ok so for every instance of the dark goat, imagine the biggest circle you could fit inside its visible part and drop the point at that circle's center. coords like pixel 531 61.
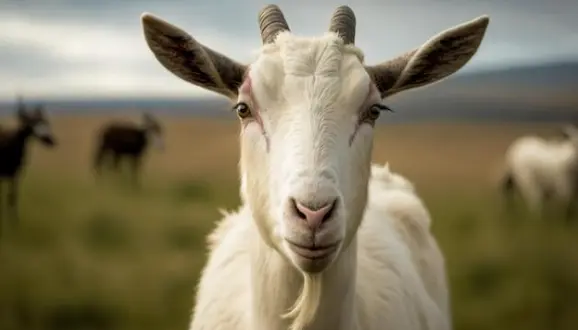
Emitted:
pixel 13 147
pixel 127 140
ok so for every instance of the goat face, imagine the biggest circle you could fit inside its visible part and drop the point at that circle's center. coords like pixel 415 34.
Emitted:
pixel 307 108
pixel 154 131
pixel 38 124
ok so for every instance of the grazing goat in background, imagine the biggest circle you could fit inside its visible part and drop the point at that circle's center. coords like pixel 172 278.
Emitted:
pixel 309 249
pixel 13 143
pixel 541 169
pixel 118 140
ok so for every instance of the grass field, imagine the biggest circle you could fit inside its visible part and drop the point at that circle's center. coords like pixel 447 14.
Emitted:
pixel 102 256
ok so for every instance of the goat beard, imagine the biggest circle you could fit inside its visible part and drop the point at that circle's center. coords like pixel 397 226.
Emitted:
pixel 305 308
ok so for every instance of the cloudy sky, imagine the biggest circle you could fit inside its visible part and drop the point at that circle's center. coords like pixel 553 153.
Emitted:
pixel 76 48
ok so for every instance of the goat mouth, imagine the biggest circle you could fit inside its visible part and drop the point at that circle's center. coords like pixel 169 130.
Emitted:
pixel 312 252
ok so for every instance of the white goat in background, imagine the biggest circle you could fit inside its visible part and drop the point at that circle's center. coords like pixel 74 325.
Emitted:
pixel 541 169
pixel 308 249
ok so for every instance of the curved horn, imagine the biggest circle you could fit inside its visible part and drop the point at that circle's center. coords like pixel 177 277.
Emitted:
pixel 271 22
pixel 343 23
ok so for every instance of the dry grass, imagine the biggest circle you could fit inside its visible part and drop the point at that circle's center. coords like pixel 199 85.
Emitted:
pixel 101 256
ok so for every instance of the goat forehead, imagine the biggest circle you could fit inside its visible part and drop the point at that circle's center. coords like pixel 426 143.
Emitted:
pixel 310 56
pixel 309 70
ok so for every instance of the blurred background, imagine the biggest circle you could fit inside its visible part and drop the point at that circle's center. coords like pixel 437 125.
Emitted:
pixel 99 254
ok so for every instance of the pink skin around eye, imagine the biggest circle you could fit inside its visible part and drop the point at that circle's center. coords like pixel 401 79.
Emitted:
pixel 370 96
pixel 247 90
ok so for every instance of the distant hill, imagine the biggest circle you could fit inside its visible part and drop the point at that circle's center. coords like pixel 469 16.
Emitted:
pixel 190 107
pixel 553 74
pixel 547 92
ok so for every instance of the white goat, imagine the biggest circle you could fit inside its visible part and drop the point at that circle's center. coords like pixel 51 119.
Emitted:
pixel 540 169
pixel 394 196
pixel 307 238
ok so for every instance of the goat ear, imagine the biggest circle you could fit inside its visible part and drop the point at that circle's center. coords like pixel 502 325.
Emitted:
pixel 438 58
pixel 191 61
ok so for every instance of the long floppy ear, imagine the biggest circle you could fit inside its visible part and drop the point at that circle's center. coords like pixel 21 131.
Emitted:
pixel 188 59
pixel 441 56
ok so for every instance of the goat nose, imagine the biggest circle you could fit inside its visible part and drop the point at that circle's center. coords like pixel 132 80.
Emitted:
pixel 313 216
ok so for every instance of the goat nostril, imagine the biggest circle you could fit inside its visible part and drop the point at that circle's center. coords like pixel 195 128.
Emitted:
pixel 330 211
pixel 296 209
pixel 314 216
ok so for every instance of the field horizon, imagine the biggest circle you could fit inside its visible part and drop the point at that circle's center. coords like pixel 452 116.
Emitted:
pixel 541 92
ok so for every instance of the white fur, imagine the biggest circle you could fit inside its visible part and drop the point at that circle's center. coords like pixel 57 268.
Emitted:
pixel 307 136
pixel 397 282
pixel 389 180
pixel 309 93
pixel 539 167
pixel 388 274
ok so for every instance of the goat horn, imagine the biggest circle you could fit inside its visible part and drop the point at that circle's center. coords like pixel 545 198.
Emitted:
pixel 343 23
pixel 271 22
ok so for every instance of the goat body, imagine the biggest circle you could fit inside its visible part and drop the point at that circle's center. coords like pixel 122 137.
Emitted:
pixel 13 150
pixel 123 139
pixel 127 140
pixel 396 281
pixel 12 158
pixel 308 250
pixel 13 144
pixel 541 169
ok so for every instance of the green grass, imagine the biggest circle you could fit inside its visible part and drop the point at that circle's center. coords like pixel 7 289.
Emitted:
pixel 507 270
pixel 99 256
pixel 102 257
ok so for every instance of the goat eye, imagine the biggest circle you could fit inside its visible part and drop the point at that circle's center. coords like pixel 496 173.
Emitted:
pixel 374 112
pixel 242 110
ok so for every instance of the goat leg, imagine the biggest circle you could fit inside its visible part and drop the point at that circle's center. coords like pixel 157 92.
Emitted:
pixel 571 209
pixel 13 199
pixel 136 165
pixel 1 208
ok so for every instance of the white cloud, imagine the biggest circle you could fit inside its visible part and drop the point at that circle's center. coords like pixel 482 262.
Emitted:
pixel 72 42
pixel 100 61
pixel 93 54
